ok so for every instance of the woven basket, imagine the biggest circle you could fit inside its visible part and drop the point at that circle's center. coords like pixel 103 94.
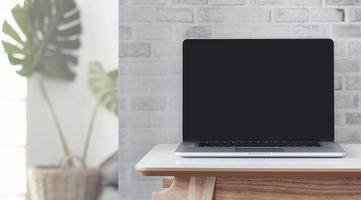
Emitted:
pixel 63 183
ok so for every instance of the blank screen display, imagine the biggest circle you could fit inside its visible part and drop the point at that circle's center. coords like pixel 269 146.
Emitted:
pixel 279 89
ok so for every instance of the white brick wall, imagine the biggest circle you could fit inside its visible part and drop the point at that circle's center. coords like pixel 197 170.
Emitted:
pixel 175 15
pixel 291 15
pixel 253 15
pixel 151 32
pixel 216 14
pixel 327 15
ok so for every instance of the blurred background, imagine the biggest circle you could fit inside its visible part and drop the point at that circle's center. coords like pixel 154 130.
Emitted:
pixel 28 136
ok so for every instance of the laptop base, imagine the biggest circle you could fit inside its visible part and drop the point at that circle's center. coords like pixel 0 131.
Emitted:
pixel 326 149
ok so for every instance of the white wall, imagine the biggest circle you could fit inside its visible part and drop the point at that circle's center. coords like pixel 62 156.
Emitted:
pixel 73 100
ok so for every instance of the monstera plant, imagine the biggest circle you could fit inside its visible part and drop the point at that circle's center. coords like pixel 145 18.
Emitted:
pixel 44 41
pixel 49 33
pixel 104 86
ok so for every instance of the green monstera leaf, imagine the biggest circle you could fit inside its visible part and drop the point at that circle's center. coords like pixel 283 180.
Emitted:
pixel 51 29
pixel 104 86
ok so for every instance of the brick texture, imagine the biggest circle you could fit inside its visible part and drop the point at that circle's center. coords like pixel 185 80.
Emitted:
pixel 190 2
pixel 346 101
pixel 227 2
pixel 252 15
pixel 135 49
pixel 353 83
pixel 338 83
pixel 136 14
pixel 195 32
pixel 347 65
pixel 343 2
pixel 355 15
pixel 268 2
pixel 354 48
pixel 148 2
pixel 347 31
pixel 291 15
pixel 327 15
pixel 311 31
pixel 340 48
pixel 216 14
pixel 175 15
pixel 305 2
pixel 151 33
pixel 353 118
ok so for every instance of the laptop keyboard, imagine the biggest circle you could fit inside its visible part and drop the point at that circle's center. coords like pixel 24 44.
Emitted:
pixel 259 144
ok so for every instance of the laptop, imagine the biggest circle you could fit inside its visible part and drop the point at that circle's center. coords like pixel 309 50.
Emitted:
pixel 258 98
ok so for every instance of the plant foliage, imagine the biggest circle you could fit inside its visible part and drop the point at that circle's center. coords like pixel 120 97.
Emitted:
pixel 104 86
pixel 51 29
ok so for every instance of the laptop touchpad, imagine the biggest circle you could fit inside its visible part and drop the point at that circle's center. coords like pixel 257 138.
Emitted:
pixel 259 149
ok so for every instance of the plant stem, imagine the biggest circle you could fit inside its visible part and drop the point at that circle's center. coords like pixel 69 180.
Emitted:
pixel 54 117
pixel 90 131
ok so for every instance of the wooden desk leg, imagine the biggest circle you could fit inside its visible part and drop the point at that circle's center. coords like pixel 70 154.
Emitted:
pixel 201 188
pixel 188 188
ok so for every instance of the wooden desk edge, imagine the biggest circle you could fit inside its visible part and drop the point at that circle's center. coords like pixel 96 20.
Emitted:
pixel 247 172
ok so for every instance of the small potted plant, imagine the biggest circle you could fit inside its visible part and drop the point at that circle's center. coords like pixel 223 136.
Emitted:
pixel 49 34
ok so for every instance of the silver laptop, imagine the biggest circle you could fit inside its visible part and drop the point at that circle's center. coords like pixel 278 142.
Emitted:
pixel 258 98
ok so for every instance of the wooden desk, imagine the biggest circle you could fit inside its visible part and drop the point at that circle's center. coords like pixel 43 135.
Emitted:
pixel 254 178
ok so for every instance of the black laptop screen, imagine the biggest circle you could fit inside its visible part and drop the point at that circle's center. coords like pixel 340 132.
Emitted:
pixel 279 89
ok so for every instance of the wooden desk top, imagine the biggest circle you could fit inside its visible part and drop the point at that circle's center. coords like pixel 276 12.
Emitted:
pixel 162 161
